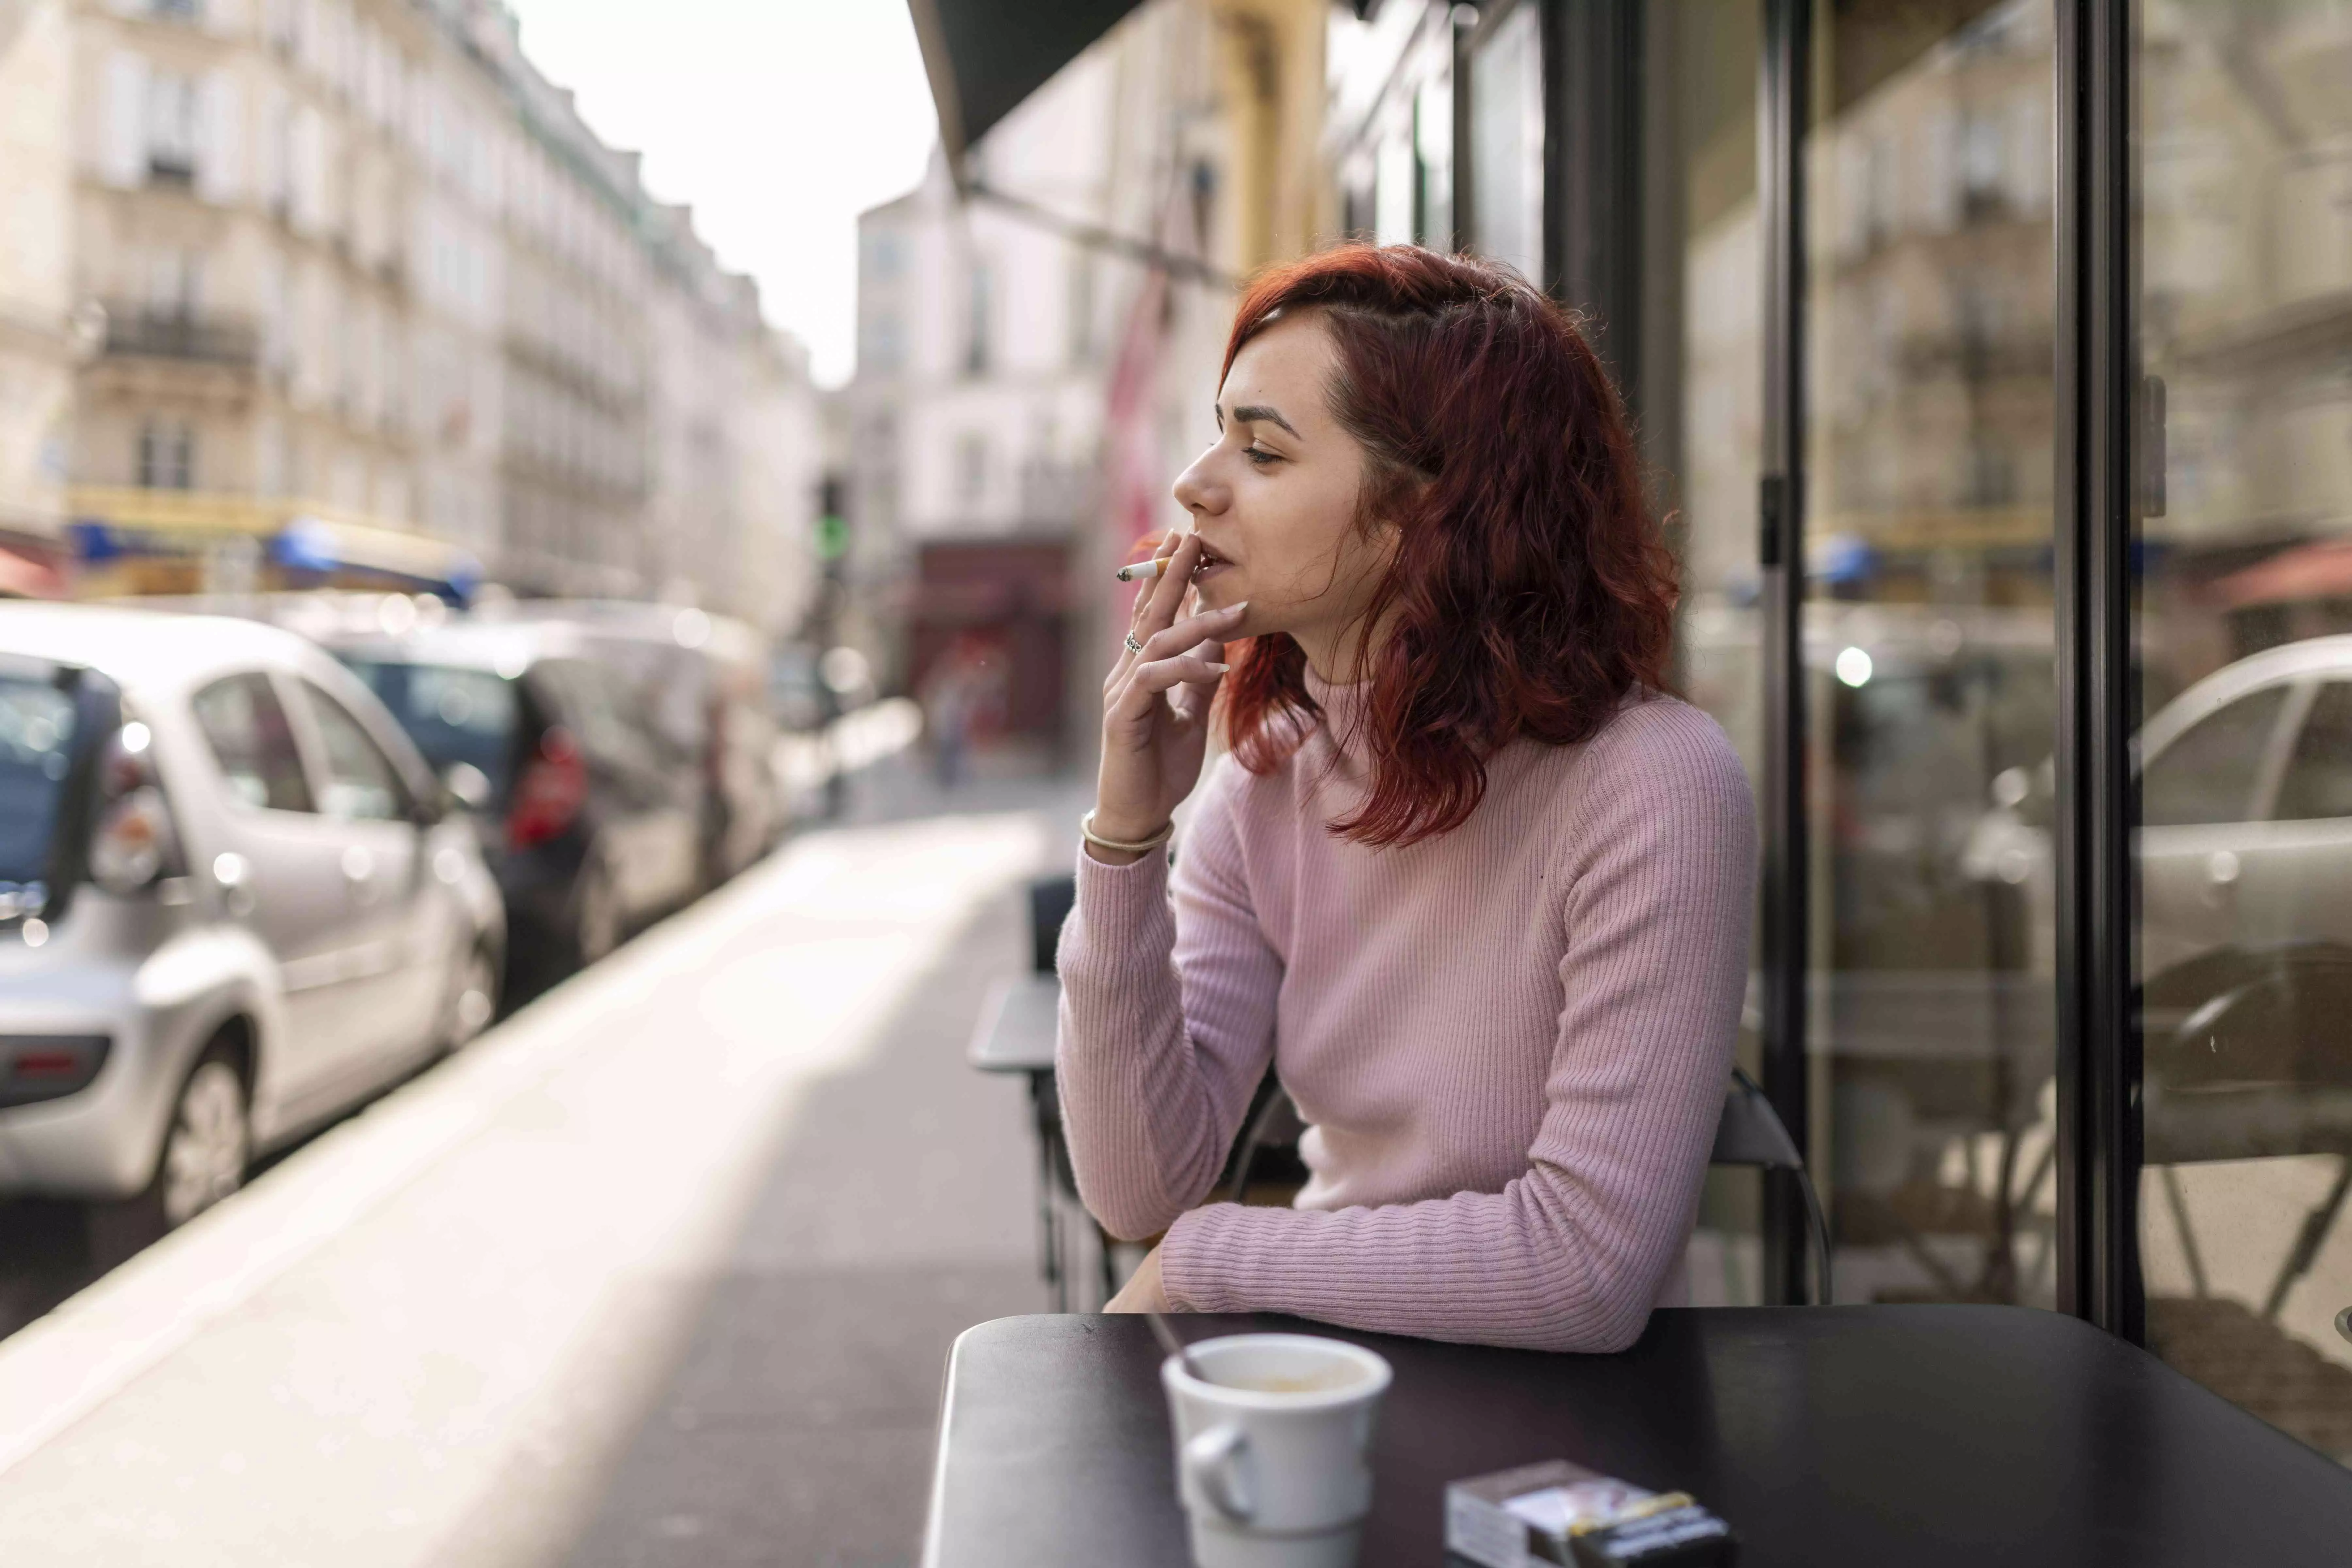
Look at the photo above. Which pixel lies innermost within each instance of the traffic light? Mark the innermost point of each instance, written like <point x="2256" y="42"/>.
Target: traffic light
<point x="831" y="526"/>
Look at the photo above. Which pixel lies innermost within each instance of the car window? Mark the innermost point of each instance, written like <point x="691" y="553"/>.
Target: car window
<point x="2207" y="775"/>
<point x="454" y="714"/>
<point x="597" y="706"/>
<point x="37" y="741"/>
<point x="362" y="785"/>
<point x="250" y="739"/>
<point x="2318" y="781"/>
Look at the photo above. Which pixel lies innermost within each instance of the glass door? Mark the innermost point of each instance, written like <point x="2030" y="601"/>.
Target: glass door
<point x="2242" y="516"/>
<point x="1925" y="434"/>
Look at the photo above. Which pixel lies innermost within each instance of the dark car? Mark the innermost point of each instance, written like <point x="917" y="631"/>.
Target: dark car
<point x="591" y="814"/>
<point x="703" y="681"/>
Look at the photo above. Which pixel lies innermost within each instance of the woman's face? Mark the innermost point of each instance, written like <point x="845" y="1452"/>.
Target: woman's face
<point x="1273" y="502"/>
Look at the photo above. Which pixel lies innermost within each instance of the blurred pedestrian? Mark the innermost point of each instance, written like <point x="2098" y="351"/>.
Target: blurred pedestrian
<point x="962" y="698"/>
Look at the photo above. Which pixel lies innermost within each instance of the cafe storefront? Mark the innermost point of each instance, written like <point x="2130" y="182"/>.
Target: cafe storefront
<point x="1994" y="358"/>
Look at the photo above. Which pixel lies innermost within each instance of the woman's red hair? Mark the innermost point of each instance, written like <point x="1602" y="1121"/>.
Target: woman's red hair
<point x="1531" y="588"/>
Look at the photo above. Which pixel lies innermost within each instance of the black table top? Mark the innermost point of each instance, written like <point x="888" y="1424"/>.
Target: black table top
<point x="1974" y="1437"/>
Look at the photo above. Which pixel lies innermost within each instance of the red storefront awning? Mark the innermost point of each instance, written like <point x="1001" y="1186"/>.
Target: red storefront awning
<point x="2294" y="576"/>
<point x="22" y="577"/>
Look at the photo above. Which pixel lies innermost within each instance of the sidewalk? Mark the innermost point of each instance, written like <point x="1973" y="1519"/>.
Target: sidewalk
<point x="662" y="1270"/>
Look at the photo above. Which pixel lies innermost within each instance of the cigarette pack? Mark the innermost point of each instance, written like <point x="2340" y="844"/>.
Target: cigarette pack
<point x="1561" y="1513"/>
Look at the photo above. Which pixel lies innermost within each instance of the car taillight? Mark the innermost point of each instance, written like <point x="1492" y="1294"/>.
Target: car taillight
<point x="549" y="793"/>
<point x="48" y="1066"/>
<point x="132" y="844"/>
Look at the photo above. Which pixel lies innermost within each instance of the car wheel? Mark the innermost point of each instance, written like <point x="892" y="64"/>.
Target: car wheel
<point x="208" y="1144"/>
<point x="473" y="999"/>
<point x="598" y="931"/>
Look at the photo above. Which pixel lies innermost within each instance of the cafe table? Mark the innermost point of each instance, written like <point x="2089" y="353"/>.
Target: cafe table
<point x="1895" y="1437"/>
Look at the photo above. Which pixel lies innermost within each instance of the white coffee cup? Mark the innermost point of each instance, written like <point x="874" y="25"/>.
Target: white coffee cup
<point x="1272" y="1452"/>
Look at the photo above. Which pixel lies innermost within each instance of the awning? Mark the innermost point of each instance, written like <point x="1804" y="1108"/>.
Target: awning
<point x="22" y="577"/>
<point x="315" y="544"/>
<point x="2298" y="576"/>
<point x="984" y="57"/>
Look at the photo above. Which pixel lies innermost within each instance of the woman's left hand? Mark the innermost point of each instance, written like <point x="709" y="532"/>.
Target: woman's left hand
<point x="1141" y="1293"/>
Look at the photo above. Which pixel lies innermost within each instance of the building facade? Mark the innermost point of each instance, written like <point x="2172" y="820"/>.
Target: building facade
<point x="1039" y="333"/>
<point x="356" y="263"/>
<point x="39" y="343"/>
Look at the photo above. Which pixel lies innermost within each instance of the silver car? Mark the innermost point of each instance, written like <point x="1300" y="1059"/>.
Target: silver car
<point x="234" y="901"/>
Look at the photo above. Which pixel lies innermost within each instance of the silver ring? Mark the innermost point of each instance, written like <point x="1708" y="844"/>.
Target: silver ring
<point x="1133" y="646"/>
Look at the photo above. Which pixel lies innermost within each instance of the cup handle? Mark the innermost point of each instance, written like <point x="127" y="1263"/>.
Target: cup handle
<point x="1218" y="1462"/>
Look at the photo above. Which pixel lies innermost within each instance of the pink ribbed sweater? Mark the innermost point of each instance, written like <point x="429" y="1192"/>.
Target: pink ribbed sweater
<point x="1509" y="1043"/>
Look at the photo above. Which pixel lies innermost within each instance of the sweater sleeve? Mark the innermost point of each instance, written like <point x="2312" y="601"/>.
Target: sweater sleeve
<point x="1167" y="1022"/>
<point x="1569" y="1255"/>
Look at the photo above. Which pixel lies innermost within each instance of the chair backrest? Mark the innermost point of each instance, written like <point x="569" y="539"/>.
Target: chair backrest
<point x="1751" y="1131"/>
<point x="1050" y="900"/>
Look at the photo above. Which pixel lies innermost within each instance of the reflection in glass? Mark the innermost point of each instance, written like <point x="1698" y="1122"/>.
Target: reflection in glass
<point x="1928" y="638"/>
<point x="1506" y="138"/>
<point x="1702" y="422"/>
<point x="2245" y="546"/>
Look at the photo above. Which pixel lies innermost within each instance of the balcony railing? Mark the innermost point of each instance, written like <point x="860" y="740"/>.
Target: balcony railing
<point x="134" y="333"/>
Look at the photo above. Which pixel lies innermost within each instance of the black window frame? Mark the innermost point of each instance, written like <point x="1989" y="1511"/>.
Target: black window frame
<point x="1592" y="241"/>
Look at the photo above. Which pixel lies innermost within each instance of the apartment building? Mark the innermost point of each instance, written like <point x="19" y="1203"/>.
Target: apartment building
<point x="357" y="265"/>
<point x="37" y="338"/>
<point x="1040" y="327"/>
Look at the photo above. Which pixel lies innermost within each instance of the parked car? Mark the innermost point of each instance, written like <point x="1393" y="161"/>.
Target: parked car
<point x="2245" y="879"/>
<point x="232" y="902"/>
<point x="702" y="680"/>
<point x="590" y="816"/>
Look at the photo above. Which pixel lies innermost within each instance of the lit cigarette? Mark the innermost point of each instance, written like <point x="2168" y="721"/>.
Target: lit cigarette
<point x="1143" y="571"/>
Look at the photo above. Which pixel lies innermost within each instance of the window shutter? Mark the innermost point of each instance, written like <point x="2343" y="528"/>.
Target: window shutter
<point x="310" y="170"/>
<point x="122" y="153"/>
<point x="220" y="149"/>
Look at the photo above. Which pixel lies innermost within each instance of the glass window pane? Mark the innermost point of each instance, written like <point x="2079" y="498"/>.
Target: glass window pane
<point x="1929" y="645"/>
<point x="362" y="785"/>
<point x="252" y="741"/>
<point x="1702" y="387"/>
<point x="2243" y="510"/>
<point x="1506" y="138"/>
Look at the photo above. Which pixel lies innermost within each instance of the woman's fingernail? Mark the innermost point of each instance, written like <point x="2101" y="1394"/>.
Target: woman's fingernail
<point x="1221" y="669"/>
<point x="1237" y="609"/>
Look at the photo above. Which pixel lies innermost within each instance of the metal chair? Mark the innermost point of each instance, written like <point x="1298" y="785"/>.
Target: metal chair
<point x="1751" y="1133"/>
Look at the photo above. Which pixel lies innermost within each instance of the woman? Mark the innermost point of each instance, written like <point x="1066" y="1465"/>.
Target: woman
<point x="1477" y="888"/>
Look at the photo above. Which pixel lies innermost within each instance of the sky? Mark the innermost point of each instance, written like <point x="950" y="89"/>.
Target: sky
<point x="780" y="120"/>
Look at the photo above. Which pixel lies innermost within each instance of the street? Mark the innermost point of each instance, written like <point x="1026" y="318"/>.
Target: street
<point x="664" y="1268"/>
